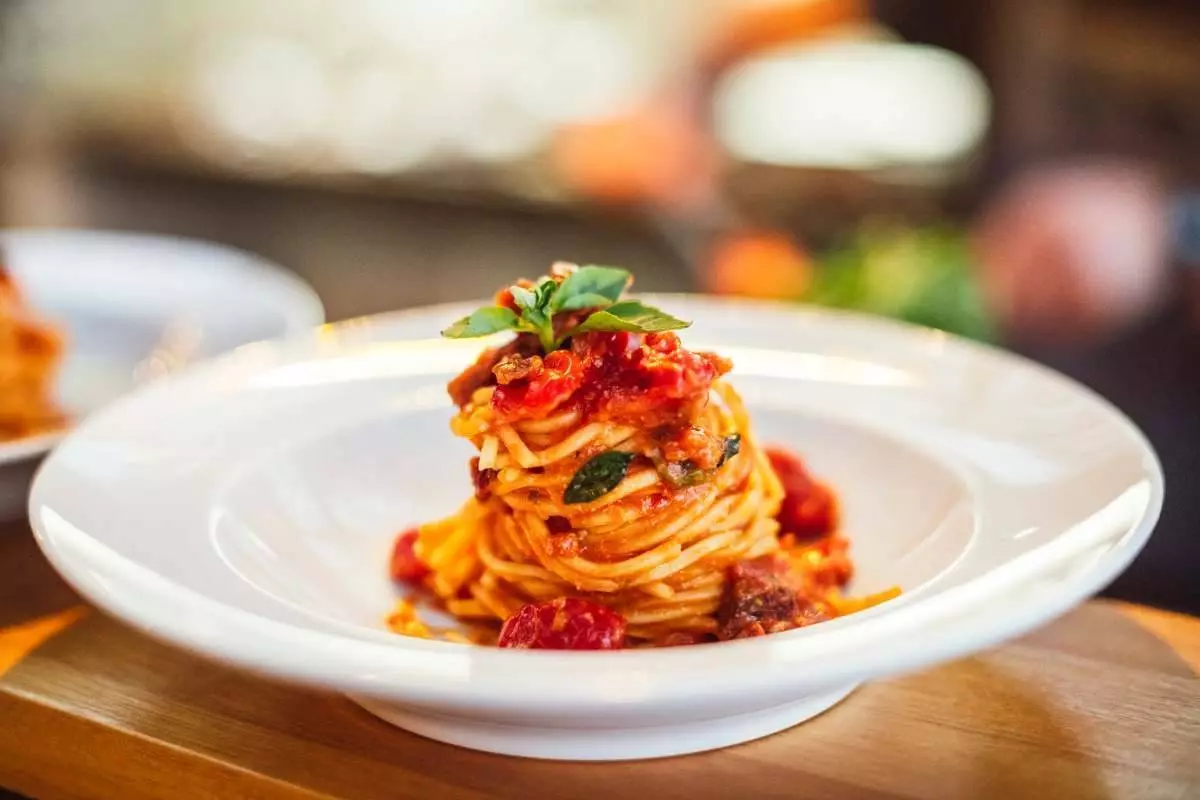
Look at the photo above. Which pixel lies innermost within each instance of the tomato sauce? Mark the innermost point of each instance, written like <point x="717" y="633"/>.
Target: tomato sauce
<point x="646" y="380"/>
<point x="406" y="566"/>
<point x="809" y="509"/>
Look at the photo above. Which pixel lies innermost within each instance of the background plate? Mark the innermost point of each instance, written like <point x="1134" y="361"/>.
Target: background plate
<point x="135" y="306"/>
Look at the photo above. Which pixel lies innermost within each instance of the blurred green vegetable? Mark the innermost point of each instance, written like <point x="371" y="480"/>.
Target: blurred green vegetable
<point x="924" y="276"/>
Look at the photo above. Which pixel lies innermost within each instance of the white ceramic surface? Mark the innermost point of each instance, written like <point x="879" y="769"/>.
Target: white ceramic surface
<point x="133" y="306"/>
<point x="244" y="509"/>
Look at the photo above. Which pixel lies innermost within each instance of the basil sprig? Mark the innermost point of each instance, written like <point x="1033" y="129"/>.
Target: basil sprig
<point x="591" y="287"/>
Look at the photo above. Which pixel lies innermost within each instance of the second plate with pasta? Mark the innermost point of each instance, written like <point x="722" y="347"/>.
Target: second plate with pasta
<point x="86" y="316"/>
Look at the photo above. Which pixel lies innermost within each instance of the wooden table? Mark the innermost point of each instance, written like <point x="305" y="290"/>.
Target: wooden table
<point x="1104" y="703"/>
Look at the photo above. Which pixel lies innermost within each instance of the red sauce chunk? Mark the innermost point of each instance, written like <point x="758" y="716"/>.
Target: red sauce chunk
<point x="760" y="598"/>
<point x="540" y="393"/>
<point x="693" y="445"/>
<point x="562" y="545"/>
<point x="482" y="480"/>
<point x="405" y="565"/>
<point x="830" y="562"/>
<point x="482" y="373"/>
<point x="565" y="623"/>
<point x="515" y="367"/>
<point x="646" y="379"/>
<point x="642" y="379"/>
<point x="809" y="509"/>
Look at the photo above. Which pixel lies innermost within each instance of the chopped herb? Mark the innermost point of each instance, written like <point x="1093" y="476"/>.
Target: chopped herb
<point x="731" y="447"/>
<point x="599" y="476"/>
<point x="685" y="473"/>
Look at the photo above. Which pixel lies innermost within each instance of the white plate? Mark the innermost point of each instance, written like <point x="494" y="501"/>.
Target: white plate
<point x="131" y="303"/>
<point x="244" y="510"/>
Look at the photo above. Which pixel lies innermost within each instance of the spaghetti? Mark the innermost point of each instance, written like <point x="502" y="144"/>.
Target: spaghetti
<point x="620" y="493"/>
<point x="30" y="351"/>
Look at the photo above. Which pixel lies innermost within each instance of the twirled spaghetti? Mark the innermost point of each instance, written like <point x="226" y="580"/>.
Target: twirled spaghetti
<point x="621" y="494"/>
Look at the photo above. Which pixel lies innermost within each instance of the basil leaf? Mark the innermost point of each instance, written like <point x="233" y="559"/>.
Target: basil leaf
<point x="535" y="315"/>
<point x="599" y="476"/>
<point x="526" y="299"/>
<point x="537" y="321"/>
<point x="731" y="447"/>
<point x="536" y="299"/>
<point x="632" y="316"/>
<point x="545" y="292"/>
<point x="484" y="321"/>
<point x="589" y="287"/>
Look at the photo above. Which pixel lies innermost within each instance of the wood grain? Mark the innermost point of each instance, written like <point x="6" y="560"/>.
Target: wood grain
<point x="1104" y="703"/>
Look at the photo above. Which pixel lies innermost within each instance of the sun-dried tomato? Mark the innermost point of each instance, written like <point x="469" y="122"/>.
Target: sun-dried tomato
<point x="541" y="393"/>
<point x="809" y="509"/>
<point x="761" y="597"/>
<point x="482" y="480"/>
<point x="566" y="623"/>
<point x="516" y="367"/>
<point x="405" y="565"/>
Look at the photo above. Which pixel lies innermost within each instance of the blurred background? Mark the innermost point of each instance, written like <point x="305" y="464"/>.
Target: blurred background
<point x="1019" y="172"/>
